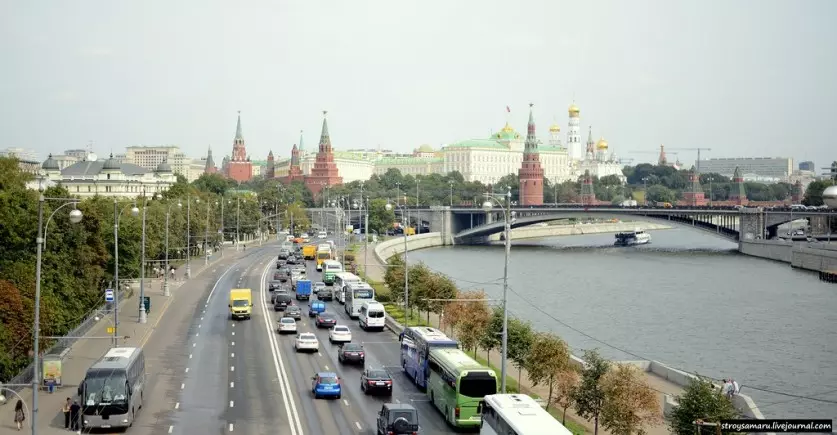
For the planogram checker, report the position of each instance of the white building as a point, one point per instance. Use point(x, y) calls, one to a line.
point(779, 168)
point(423, 161)
point(149, 157)
point(598, 160)
point(574, 145)
point(93, 176)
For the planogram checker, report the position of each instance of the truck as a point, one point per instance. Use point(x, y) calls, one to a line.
point(241, 303)
point(303, 290)
point(323, 255)
point(309, 252)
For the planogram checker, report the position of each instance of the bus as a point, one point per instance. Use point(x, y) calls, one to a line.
point(416, 342)
point(341, 280)
point(331, 268)
point(323, 255)
point(517, 414)
point(356, 293)
point(457, 386)
point(112, 390)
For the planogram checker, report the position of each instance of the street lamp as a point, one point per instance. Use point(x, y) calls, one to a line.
point(206, 236)
point(75, 217)
point(166, 291)
point(508, 218)
point(142, 314)
point(450, 183)
point(406, 270)
point(117, 214)
point(645, 193)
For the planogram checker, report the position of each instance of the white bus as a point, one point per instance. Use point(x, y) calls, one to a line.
point(355, 294)
point(341, 280)
point(517, 414)
point(112, 390)
point(372, 315)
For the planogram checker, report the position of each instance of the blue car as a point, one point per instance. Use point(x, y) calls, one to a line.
point(326, 384)
point(315, 308)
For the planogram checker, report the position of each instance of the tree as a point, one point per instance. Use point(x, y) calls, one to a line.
point(589, 398)
point(440, 287)
point(700, 401)
point(468, 318)
point(659, 193)
point(629, 403)
point(216, 184)
point(520, 341)
point(300, 217)
point(493, 333)
point(566, 385)
point(380, 219)
point(813, 194)
point(548, 357)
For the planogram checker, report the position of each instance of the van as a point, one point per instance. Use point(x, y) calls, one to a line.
point(309, 252)
point(372, 315)
point(241, 303)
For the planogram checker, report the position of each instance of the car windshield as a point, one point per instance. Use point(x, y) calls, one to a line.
point(104, 389)
point(352, 347)
point(307, 337)
point(477, 385)
point(327, 316)
point(341, 329)
point(328, 380)
point(240, 303)
point(378, 374)
point(288, 320)
point(292, 309)
point(283, 298)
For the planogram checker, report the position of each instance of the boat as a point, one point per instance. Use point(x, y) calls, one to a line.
point(632, 238)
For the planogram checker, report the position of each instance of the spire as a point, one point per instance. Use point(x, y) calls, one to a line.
point(737, 194)
point(301, 144)
point(210, 163)
point(325, 140)
point(238, 134)
point(591, 146)
point(531, 144)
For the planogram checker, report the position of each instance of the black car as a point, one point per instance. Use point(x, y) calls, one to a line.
point(292, 260)
point(376, 381)
point(280, 263)
point(282, 300)
point(351, 353)
point(294, 312)
point(399, 418)
point(274, 285)
point(326, 320)
point(325, 294)
point(278, 276)
point(284, 253)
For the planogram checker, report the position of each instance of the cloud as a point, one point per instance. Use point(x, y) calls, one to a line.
point(96, 52)
point(65, 96)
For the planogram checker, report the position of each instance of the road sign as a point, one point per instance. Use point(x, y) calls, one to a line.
point(109, 295)
point(110, 330)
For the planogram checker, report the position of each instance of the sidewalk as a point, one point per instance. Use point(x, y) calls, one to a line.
point(85, 352)
point(376, 273)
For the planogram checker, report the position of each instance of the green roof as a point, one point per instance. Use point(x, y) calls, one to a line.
point(395, 161)
point(479, 143)
point(550, 149)
point(348, 155)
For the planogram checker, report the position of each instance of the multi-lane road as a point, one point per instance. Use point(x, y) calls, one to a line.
point(242, 377)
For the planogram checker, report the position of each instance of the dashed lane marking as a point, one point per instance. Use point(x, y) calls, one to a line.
point(346, 402)
point(187, 369)
point(232, 384)
point(232, 404)
point(326, 367)
point(171, 429)
point(233, 333)
point(232, 344)
point(194, 344)
point(232, 355)
point(231, 427)
point(190, 356)
point(232, 368)
point(358, 425)
point(177, 405)
point(182, 386)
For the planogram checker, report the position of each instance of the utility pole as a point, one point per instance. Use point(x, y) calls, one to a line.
point(237, 221)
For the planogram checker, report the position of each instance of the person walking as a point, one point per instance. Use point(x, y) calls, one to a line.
point(74, 410)
point(20, 416)
point(66, 410)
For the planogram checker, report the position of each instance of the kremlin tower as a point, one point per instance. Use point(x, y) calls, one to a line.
point(694, 196)
point(294, 172)
point(588, 194)
point(590, 152)
point(271, 166)
point(324, 173)
point(530, 175)
point(737, 194)
point(662, 160)
point(239, 167)
point(210, 167)
point(574, 133)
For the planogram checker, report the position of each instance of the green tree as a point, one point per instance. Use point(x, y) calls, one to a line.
point(700, 401)
point(394, 277)
point(813, 194)
point(442, 288)
point(493, 333)
point(590, 396)
point(216, 184)
point(520, 339)
point(548, 357)
point(300, 218)
point(659, 193)
point(474, 316)
point(630, 404)
point(380, 219)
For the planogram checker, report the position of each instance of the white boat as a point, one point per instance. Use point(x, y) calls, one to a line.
point(632, 238)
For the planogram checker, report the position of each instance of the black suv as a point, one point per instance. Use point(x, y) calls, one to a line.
point(281, 301)
point(274, 285)
point(398, 418)
point(325, 294)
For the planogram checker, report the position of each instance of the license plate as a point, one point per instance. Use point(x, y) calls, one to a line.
point(105, 426)
point(379, 383)
point(353, 354)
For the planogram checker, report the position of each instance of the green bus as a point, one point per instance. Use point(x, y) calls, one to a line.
point(457, 385)
point(330, 269)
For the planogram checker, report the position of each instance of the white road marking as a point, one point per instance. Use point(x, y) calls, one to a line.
point(177, 405)
point(397, 401)
point(202, 316)
point(326, 367)
point(208, 298)
point(232, 384)
point(190, 356)
point(199, 325)
point(194, 344)
point(231, 427)
point(232, 344)
point(232, 368)
point(319, 354)
point(187, 369)
point(232, 404)
point(233, 333)
point(182, 386)
point(171, 428)
point(197, 334)
point(346, 402)
point(232, 355)
point(358, 425)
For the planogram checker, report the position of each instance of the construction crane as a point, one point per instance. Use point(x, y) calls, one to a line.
point(693, 149)
point(652, 152)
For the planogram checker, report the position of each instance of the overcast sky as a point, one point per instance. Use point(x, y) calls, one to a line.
point(745, 78)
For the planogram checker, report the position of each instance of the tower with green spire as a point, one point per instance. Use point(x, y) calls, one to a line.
point(737, 194)
point(324, 172)
point(530, 175)
point(240, 168)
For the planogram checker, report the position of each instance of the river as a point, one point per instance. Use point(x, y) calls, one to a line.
point(687, 299)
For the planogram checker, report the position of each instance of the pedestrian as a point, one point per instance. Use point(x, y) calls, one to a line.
point(727, 388)
point(66, 410)
point(172, 273)
point(20, 416)
point(735, 387)
point(74, 409)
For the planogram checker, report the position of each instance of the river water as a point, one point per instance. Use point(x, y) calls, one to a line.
point(687, 299)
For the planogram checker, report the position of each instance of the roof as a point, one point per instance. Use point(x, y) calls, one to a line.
point(457, 357)
point(325, 374)
point(550, 149)
point(479, 143)
point(395, 161)
point(88, 168)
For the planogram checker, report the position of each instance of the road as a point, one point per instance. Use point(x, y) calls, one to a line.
point(225, 376)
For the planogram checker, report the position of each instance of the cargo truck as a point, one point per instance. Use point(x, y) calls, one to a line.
point(241, 303)
point(303, 290)
point(309, 252)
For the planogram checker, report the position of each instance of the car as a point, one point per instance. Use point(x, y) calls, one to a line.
point(326, 320)
point(326, 384)
point(282, 300)
point(325, 294)
point(322, 235)
point(319, 285)
point(397, 418)
point(351, 353)
point(315, 308)
point(340, 334)
point(284, 253)
point(278, 276)
point(376, 380)
point(294, 312)
point(306, 341)
point(292, 260)
point(286, 324)
point(274, 285)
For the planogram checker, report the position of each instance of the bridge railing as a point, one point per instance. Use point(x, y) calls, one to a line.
point(573, 206)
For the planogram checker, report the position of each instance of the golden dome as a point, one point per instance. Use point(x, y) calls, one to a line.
point(602, 145)
point(574, 110)
point(425, 149)
point(555, 128)
point(507, 129)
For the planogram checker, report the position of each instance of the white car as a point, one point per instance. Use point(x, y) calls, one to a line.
point(322, 235)
point(307, 341)
point(287, 324)
point(340, 334)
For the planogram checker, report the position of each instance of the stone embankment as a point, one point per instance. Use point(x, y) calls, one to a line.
point(815, 256)
point(577, 229)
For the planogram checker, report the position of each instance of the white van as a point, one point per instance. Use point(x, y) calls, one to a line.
point(372, 315)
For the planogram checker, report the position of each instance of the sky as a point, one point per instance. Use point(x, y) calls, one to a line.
point(744, 78)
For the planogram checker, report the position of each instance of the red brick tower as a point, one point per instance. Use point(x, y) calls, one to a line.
point(210, 167)
point(530, 175)
point(662, 160)
point(324, 173)
point(294, 171)
point(737, 194)
point(694, 196)
point(796, 192)
point(271, 166)
point(240, 168)
point(588, 194)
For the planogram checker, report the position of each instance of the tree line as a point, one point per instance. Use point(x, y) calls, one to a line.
point(612, 395)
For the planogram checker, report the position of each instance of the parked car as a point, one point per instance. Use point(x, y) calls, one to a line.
point(349, 353)
point(326, 384)
point(376, 380)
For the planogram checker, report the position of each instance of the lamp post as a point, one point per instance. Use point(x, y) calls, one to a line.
point(117, 214)
point(237, 220)
point(166, 291)
point(450, 183)
point(418, 210)
point(206, 237)
point(75, 217)
point(645, 193)
point(406, 269)
point(143, 318)
point(189, 236)
point(508, 217)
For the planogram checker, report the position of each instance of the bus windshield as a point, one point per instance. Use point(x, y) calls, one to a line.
point(477, 385)
point(105, 389)
point(323, 255)
point(363, 294)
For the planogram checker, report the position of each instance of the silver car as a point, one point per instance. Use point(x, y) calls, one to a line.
point(287, 324)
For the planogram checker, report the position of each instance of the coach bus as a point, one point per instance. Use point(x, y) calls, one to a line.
point(517, 414)
point(112, 390)
point(356, 294)
point(416, 342)
point(457, 386)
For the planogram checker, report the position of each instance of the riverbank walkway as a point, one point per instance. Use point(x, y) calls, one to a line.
point(85, 352)
point(662, 386)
